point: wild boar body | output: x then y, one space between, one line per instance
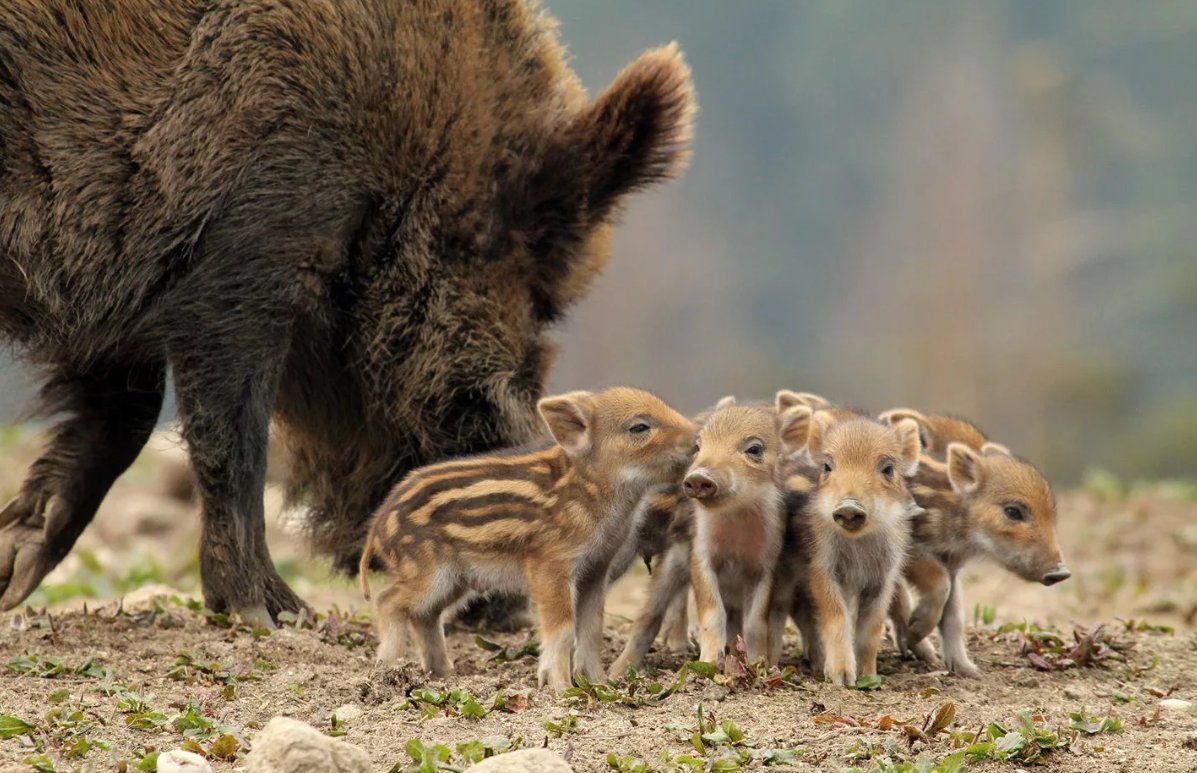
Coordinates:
357 218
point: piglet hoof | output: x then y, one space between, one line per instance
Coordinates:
925 652
839 677
29 545
619 669
965 668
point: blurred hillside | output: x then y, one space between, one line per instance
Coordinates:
986 208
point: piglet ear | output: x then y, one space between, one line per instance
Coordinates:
964 468
569 418
991 448
898 414
638 131
786 399
795 426
908 434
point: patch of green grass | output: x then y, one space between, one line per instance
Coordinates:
984 614
92 580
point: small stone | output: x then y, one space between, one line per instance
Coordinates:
1072 694
287 745
347 713
179 761
1190 741
1176 704
523 761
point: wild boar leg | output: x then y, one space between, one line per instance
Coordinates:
225 402
113 410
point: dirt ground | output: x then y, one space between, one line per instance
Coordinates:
115 659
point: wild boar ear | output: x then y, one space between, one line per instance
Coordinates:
912 444
725 402
569 418
898 414
794 426
964 468
786 399
989 448
638 131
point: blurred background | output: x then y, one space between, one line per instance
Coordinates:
988 208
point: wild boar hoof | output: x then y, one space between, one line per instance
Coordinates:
29 545
261 608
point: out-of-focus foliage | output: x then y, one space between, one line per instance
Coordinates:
982 207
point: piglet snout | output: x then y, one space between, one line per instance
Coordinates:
1055 576
699 485
850 514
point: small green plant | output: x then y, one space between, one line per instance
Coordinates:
1143 626
45 668
453 703
953 763
501 654
984 614
1029 743
1091 648
12 727
439 757
867 683
566 724
338 627
1090 725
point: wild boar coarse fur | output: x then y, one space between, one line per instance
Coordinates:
359 218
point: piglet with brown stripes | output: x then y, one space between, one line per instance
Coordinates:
973 502
544 520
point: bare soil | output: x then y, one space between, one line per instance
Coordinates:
156 674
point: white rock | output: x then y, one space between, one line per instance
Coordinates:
348 712
287 745
1176 704
179 761
523 761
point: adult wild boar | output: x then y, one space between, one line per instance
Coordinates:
358 217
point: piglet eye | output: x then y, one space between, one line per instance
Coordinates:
756 451
639 428
887 469
1014 513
